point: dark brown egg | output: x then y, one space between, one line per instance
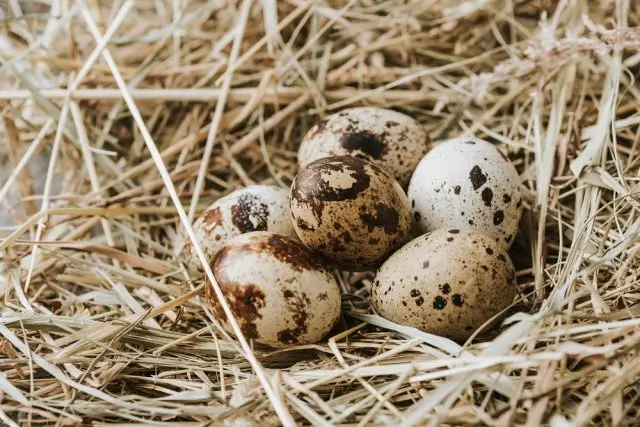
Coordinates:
350 211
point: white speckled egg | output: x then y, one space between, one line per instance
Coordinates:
277 290
350 211
466 183
391 140
253 208
448 283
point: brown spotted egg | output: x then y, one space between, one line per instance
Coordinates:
448 283
350 211
466 183
253 208
277 290
391 140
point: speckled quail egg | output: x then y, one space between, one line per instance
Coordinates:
465 183
448 283
277 290
350 211
391 140
253 208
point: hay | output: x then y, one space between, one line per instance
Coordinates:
111 108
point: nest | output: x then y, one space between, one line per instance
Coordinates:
116 112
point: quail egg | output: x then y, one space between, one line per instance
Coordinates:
277 290
253 208
350 211
465 183
448 283
391 140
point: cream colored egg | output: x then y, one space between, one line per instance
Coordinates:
350 211
253 208
465 183
448 283
277 290
391 140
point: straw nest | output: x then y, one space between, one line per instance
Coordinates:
114 111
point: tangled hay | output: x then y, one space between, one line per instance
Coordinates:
100 321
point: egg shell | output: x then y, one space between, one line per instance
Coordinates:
253 208
277 290
350 211
391 140
466 183
448 283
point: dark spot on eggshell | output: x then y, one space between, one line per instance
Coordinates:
414 293
311 188
413 203
419 301
366 142
425 264
304 225
457 189
454 231
439 303
245 301
385 217
213 217
457 300
470 142
250 213
445 289
336 245
346 237
390 124
506 198
477 177
404 303
498 217
489 251
449 239
298 303
323 296
502 258
417 216
487 196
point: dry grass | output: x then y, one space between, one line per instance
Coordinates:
110 110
